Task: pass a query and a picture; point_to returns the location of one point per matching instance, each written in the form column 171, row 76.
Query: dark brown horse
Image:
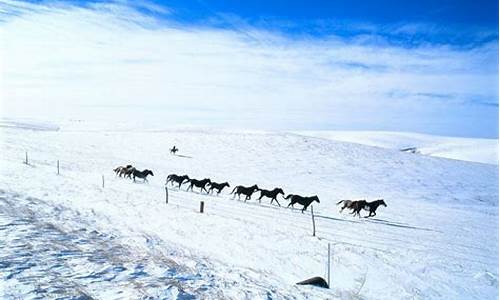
column 119, row 171
column 271, row 194
column 305, row 201
column 128, row 172
column 177, row 179
column 247, row 191
column 217, row 186
column 142, row 174
column 370, row 206
column 350, row 204
column 198, row 183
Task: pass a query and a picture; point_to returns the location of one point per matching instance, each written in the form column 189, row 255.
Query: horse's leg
column 354, row 212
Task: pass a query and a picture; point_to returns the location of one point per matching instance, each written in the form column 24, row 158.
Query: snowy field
column 468, row 149
column 67, row 236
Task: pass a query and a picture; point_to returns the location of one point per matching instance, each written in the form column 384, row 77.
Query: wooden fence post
column 57, row 167
column 202, row 206
column 314, row 224
column 26, row 157
column 328, row 264
column 102, row 181
column 166, row 194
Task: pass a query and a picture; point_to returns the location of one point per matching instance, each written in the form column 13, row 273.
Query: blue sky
column 423, row 66
column 427, row 21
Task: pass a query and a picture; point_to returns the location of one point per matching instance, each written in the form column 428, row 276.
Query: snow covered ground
column 436, row 239
column 468, row 149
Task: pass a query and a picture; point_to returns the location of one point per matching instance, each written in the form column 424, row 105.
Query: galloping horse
column 119, row 171
column 370, row 206
column 305, row 201
column 198, row 183
column 350, row 204
column 142, row 174
column 217, row 186
column 177, row 179
column 247, row 191
column 271, row 194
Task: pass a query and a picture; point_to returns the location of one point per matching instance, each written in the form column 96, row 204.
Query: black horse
column 198, row 183
column 142, row 174
column 271, row 194
column 305, row 201
column 370, row 206
column 247, row 191
column 174, row 150
column 217, row 186
column 177, row 179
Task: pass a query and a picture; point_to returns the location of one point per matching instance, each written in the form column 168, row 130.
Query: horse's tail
column 234, row 189
column 340, row 202
column 288, row 197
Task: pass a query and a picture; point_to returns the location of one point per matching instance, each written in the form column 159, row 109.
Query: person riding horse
column 174, row 150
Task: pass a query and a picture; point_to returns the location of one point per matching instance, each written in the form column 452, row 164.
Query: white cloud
column 58, row 58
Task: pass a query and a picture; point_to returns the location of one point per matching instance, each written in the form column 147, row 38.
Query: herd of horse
column 129, row 171
column 357, row 205
column 208, row 186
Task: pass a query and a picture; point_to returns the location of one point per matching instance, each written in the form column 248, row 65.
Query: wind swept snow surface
column 436, row 239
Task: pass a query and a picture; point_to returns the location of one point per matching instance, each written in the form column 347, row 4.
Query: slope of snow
column 468, row 149
column 28, row 124
column 436, row 239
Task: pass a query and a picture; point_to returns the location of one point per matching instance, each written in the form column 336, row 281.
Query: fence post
column 166, row 194
column 202, row 206
column 102, row 181
column 328, row 264
column 26, row 158
column 57, row 167
column 314, row 224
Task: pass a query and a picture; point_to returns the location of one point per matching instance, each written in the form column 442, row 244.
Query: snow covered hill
column 468, row 149
column 436, row 239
